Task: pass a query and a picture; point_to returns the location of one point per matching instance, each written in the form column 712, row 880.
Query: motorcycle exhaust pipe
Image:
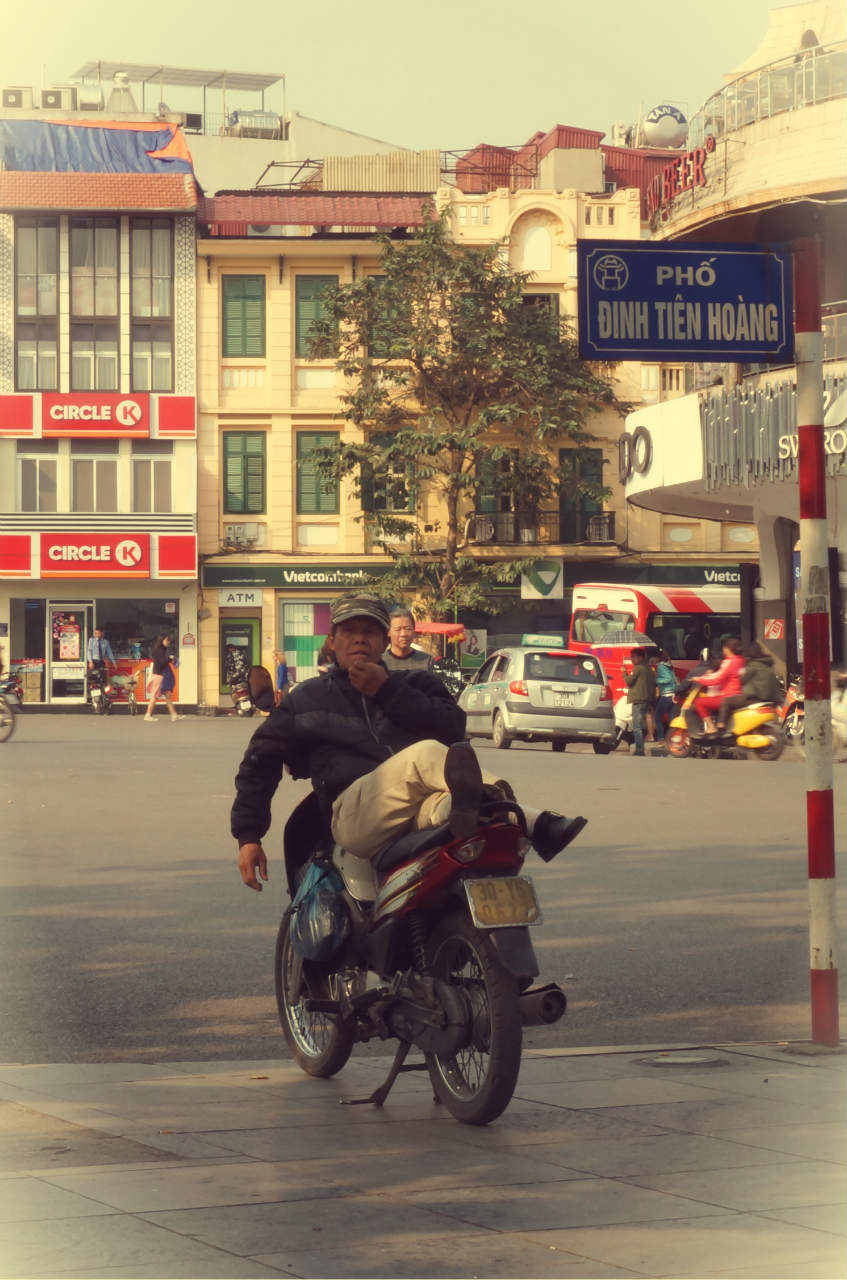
column 542, row 1005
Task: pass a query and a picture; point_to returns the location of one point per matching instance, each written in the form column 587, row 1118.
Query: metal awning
column 143, row 72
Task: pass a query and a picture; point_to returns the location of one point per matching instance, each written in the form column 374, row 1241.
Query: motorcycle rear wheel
column 476, row 1083
column 679, row 743
column 132, row 702
column 7, row 720
column 319, row 1046
column 777, row 742
column 99, row 705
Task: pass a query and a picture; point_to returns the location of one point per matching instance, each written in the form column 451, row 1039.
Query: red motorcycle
column 792, row 714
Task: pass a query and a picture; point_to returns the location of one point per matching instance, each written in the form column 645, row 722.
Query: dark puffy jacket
column 759, row 681
column 327, row 731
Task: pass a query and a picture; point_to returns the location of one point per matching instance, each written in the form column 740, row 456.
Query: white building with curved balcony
column 774, row 142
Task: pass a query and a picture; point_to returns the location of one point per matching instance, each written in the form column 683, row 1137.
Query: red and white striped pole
column 814, row 596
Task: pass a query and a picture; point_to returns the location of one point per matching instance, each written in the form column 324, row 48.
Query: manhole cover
column 702, row 1058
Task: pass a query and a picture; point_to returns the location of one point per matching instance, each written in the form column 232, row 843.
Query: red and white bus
column 611, row 619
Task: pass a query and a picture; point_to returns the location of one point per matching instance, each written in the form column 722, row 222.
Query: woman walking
column 162, row 679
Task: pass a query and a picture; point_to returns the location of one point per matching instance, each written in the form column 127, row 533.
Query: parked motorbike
column 792, row 713
column 754, row 729
column 103, row 690
column 239, row 691
column 451, row 674
column 11, row 688
column 428, row 944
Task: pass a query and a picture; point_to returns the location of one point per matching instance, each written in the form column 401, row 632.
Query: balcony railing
column 506, row 528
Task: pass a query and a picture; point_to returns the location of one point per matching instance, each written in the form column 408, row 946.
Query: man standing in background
column 99, row 652
column 401, row 654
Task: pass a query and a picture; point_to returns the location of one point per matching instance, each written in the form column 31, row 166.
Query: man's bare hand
column 367, row 677
column 251, row 858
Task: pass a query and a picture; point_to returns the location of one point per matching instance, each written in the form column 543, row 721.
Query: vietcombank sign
column 295, row 577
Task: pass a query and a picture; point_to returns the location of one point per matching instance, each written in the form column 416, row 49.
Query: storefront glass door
column 69, row 626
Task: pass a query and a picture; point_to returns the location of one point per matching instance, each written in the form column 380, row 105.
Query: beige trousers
column 405, row 792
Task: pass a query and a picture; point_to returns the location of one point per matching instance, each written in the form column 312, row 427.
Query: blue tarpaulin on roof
column 39, row 146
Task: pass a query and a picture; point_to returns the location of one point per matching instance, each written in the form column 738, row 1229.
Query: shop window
column 152, row 481
column 310, row 306
column 36, row 303
column 94, row 475
column 575, row 507
column 37, row 475
column 94, row 357
column 244, row 472
column 316, row 495
column 243, row 307
column 151, row 271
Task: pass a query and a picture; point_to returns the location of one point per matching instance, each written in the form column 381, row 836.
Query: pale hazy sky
column 433, row 73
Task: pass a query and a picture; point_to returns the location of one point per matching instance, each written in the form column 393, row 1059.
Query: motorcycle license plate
column 502, row 901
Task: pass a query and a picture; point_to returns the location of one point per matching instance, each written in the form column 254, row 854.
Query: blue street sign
column 646, row 300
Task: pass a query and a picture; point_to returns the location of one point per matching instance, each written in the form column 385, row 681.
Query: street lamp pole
column 814, row 595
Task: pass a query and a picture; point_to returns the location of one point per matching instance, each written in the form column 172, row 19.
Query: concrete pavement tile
column 34, row 1200
column 534, row 1124
column 30, row 1140
column 631, row 1091
column 245, row 1182
column 820, row 1217
column 549, row 1070
column 775, row 1186
column 777, row 1081
column 255, row 1230
column 778, row 1271
column 666, row 1153
column 705, row 1246
column 218, row 1266
column 815, row 1141
column 315, row 1142
column 542, row 1207
column 495, row 1256
column 126, row 1097
column 29, row 1248
column 721, row 1114
column 188, row 1147
column 54, row 1078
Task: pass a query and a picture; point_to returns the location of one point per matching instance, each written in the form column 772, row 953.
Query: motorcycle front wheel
column 98, row 704
column 477, row 1082
column 318, row 1044
column 794, row 727
column 679, row 743
column 132, row 702
column 7, row 720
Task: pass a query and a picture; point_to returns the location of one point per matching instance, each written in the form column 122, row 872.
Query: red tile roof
column 166, row 192
column 230, row 215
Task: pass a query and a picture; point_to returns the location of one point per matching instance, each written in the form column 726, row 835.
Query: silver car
column 540, row 694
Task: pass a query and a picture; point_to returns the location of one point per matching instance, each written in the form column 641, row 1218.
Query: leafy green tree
column 451, row 375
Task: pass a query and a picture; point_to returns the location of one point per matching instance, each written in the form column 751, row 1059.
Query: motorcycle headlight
column 469, row 850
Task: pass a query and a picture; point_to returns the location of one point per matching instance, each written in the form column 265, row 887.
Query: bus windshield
column 685, row 635
column 592, row 626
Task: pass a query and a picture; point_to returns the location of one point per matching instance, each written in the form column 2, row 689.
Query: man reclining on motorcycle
column 385, row 753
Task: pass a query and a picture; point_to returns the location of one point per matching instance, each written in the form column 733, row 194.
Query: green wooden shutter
column 244, row 473
column 308, row 308
column 244, row 316
column 315, row 496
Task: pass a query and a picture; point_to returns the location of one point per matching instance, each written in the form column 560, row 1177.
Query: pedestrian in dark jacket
column 385, row 751
column 641, row 695
column 758, row 684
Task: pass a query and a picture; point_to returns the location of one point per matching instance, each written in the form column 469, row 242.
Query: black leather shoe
column 463, row 777
column 553, row 832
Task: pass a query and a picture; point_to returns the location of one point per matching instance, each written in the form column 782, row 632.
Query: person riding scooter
column 385, row 752
column 758, row 684
column 725, row 683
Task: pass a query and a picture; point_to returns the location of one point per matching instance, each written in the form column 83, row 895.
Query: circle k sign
column 94, row 413
column 95, row 555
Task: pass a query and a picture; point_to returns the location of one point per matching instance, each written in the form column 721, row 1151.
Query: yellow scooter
column 755, row 729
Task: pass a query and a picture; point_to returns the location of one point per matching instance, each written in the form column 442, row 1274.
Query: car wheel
column 604, row 748
column 558, row 745
column 499, row 735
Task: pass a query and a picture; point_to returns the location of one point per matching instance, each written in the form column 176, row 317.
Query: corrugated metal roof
column 312, row 209
column 141, row 72
column 113, row 191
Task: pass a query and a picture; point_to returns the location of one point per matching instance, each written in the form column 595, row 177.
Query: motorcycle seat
column 409, row 844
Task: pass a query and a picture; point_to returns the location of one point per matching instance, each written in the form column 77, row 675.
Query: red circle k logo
column 128, row 553
column 128, row 412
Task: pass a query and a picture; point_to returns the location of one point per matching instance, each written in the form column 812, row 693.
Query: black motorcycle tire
column 100, row 705
column 777, row 742
column 7, row 720
column 794, row 726
column 471, row 1095
column 132, row 702
column 319, row 1046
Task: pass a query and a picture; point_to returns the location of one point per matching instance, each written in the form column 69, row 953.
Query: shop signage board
column 95, row 555
column 694, row 301
column 296, row 577
column 95, row 413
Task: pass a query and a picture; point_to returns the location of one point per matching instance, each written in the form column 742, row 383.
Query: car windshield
column 558, row 666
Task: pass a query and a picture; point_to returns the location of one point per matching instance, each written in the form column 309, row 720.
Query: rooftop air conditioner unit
column 17, row 99
column 193, row 122
column 89, row 97
column 60, row 98
column 267, row 229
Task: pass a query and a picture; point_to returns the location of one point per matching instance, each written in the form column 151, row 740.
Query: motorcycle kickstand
column 379, row 1095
